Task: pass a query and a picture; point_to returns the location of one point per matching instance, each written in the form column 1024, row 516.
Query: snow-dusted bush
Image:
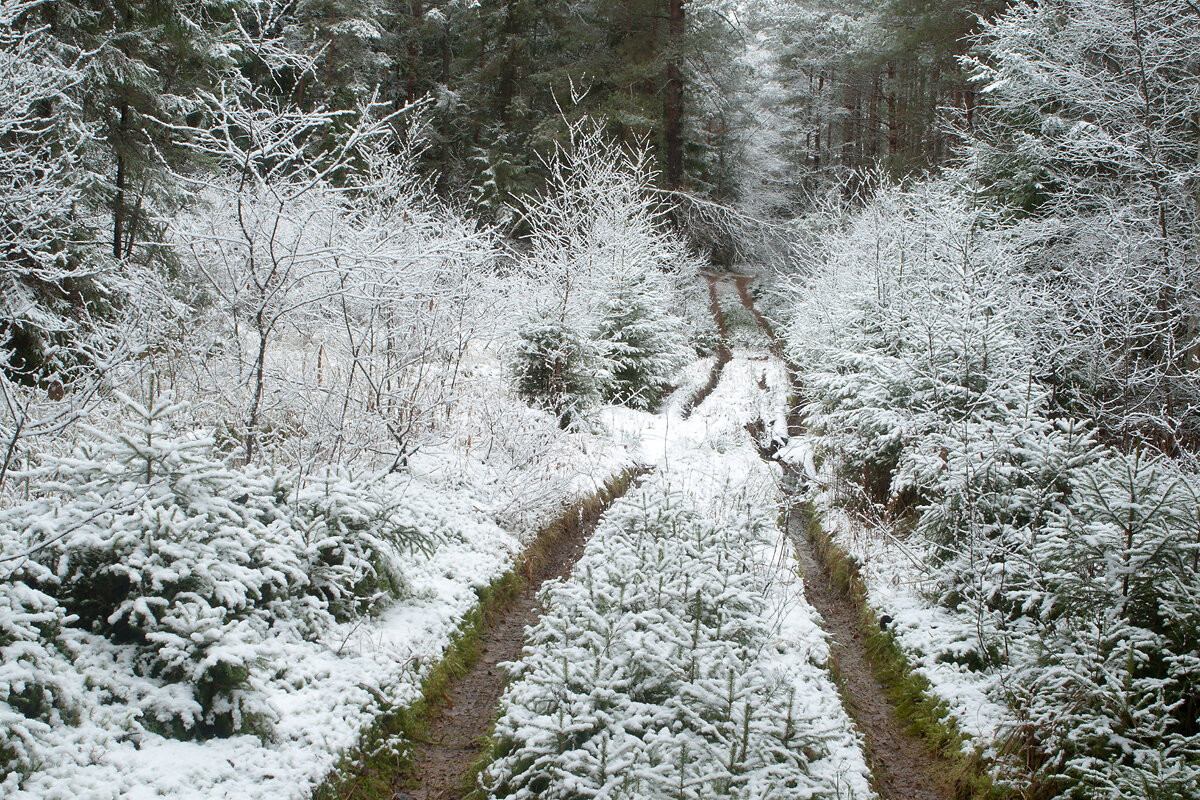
column 37, row 688
column 1085, row 137
column 654, row 671
column 146, row 539
column 599, row 217
column 331, row 313
column 1109, row 705
column 641, row 338
column 557, row 366
column 354, row 532
column 601, row 250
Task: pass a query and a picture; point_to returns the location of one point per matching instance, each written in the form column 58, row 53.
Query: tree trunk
column 893, row 112
column 508, row 72
column 414, row 51
column 849, row 105
column 118, row 208
column 444, row 176
column 873, row 122
column 674, row 131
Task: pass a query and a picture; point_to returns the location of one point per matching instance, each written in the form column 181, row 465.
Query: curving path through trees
column 902, row 766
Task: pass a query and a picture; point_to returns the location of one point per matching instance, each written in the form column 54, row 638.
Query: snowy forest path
column 456, row 736
column 724, row 354
column 901, row 764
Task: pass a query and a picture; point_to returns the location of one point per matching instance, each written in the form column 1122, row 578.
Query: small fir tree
column 557, row 366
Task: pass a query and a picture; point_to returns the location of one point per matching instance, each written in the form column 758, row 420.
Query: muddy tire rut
column 456, row 736
column 902, row 765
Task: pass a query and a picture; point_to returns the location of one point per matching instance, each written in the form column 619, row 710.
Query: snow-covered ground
column 323, row 693
column 319, row 693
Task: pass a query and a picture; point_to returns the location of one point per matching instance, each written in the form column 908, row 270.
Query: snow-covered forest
column 644, row 399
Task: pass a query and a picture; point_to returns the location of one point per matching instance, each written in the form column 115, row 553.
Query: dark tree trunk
column 873, row 122
column 414, row 51
column 118, row 209
column 674, row 131
column 893, row 112
column 508, row 72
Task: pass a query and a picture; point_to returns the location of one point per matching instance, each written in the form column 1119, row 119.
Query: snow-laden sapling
column 353, row 540
column 557, row 366
column 37, row 690
column 147, row 539
column 642, row 340
column 651, row 673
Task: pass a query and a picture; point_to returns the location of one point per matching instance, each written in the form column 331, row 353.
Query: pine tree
column 642, row 340
column 557, row 366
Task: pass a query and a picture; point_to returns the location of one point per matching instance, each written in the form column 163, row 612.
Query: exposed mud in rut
column 455, row 737
column 901, row 764
column 724, row 355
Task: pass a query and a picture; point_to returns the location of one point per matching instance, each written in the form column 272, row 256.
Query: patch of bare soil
column 456, row 737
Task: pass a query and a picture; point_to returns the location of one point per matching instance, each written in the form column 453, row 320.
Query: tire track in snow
column 901, row 764
column 455, row 736
column 724, row 354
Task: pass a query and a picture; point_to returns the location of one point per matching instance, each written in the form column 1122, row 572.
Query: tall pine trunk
column 118, row 207
column 674, row 132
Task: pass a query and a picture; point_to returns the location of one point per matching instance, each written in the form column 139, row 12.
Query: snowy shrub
column 642, row 339
column 36, row 687
column 651, row 675
column 1110, row 703
column 354, row 539
column 1098, row 189
column 150, row 542
column 602, row 249
column 1074, row 563
column 146, row 539
column 557, row 366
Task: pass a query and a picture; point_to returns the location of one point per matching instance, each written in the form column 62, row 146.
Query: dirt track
column 901, row 765
column 455, row 736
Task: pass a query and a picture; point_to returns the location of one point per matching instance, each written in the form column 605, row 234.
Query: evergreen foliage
column 641, row 338
column 657, row 670
column 145, row 539
column 1073, row 560
column 557, row 366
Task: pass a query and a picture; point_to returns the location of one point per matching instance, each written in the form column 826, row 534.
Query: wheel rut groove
column 724, row 355
column 902, row 765
column 456, row 734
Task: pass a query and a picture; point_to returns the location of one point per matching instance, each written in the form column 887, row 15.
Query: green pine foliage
column 642, row 341
column 149, row 541
column 1074, row 561
column 557, row 366
column 652, row 673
